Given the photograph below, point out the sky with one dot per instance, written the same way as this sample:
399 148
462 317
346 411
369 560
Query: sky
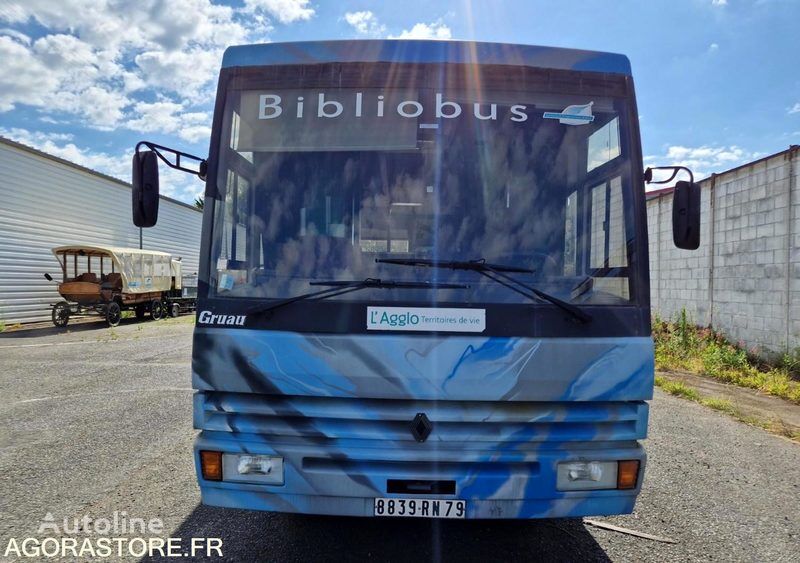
717 81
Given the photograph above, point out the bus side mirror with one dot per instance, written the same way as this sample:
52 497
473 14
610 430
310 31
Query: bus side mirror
686 215
145 198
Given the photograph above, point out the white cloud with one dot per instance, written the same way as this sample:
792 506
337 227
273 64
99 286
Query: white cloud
101 107
434 30
286 11
795 108
365 23
60 73
170 118
33 138
188 73
704 160
115 24
719 2
18 35
61 145
24 78
48 119
713 47
97 54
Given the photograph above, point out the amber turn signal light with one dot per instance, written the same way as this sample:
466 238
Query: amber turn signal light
627 474
211 465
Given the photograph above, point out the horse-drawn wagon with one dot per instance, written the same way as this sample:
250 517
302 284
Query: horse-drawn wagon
108 280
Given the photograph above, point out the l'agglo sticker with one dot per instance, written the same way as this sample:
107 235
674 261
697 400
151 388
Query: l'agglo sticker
426 319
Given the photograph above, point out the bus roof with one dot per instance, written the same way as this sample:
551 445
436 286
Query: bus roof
424 51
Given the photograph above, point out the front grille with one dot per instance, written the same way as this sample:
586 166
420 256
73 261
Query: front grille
452 422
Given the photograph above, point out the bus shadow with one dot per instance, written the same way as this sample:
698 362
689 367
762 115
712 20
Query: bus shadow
264 536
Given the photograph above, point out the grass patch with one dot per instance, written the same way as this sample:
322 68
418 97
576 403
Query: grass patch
187 318
677 388
13 326
722 405
682 346
108 335
772 426
680 389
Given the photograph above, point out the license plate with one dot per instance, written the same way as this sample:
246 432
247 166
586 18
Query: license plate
420 508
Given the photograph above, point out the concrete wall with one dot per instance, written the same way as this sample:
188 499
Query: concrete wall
744 280
47 202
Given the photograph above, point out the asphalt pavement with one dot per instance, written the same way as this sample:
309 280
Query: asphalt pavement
96 421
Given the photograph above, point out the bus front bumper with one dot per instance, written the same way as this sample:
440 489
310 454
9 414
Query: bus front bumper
509 481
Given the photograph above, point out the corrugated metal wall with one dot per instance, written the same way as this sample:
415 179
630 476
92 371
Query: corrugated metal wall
46 202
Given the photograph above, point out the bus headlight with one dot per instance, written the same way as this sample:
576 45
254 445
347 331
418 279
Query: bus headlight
586 475
251 468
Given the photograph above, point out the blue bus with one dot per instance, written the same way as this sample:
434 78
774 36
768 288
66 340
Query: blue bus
424 281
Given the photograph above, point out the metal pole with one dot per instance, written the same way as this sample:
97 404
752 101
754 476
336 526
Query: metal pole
140 238
790 188
711 246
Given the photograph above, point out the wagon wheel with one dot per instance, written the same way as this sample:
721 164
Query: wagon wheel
61 314
140 311
113 313
156 309
174 310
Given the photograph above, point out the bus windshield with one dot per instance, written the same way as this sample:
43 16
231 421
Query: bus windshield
317 183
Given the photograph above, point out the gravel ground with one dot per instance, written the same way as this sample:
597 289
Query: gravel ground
96 420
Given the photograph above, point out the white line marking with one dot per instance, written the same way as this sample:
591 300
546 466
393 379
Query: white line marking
102 393
97 341
428 125
621 530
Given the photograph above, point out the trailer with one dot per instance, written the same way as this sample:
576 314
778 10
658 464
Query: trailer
182 297
107 280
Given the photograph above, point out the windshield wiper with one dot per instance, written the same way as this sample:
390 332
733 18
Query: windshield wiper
496 273
340 287
476 265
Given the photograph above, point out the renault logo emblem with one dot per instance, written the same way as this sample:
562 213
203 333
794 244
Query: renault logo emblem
421 427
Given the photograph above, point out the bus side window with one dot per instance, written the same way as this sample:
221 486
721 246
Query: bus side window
607 246
598 234
571 234
236 209
617 249
608 226
603 145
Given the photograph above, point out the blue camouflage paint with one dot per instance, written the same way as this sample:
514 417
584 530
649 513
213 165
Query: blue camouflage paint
418 51
338 408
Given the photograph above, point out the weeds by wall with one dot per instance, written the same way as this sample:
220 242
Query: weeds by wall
680 345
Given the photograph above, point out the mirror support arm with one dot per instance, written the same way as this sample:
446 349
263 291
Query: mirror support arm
648 174
202 166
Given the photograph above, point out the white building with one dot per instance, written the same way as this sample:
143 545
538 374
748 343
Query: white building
46 201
